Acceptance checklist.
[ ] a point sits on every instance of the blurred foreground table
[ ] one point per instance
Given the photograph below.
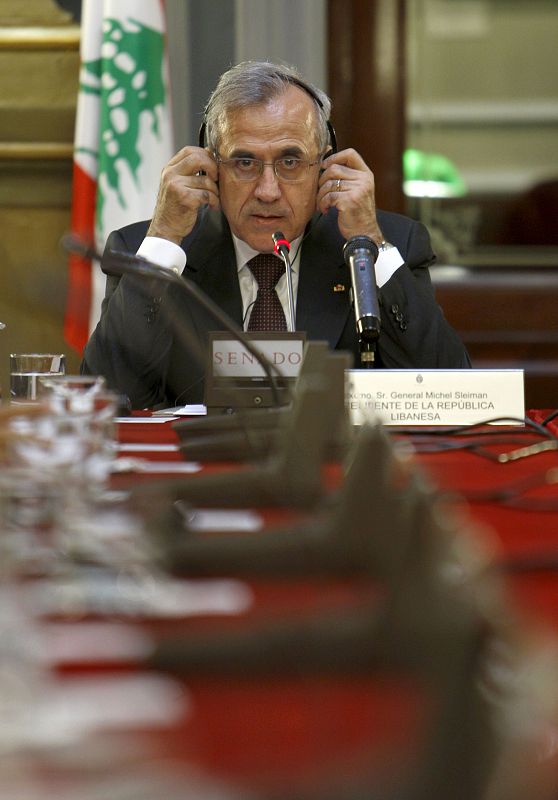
(119, 730)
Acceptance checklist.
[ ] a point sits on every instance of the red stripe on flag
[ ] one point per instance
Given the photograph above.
(76, 322)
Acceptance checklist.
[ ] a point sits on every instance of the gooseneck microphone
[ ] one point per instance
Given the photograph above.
(117, 262)
(282, 247)
(360, 255)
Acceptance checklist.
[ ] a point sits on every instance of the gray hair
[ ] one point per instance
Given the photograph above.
(252, 83)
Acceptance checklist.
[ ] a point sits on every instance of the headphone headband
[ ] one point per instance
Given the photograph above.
(296, 82)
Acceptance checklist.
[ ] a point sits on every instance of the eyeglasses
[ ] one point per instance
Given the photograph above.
(288, 168)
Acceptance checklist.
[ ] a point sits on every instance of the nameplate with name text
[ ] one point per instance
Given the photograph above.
(435, 397)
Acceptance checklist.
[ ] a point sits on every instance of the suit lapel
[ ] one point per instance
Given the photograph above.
(323, 303)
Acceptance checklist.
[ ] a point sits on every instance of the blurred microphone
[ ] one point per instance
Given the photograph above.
(313, 363)
(405, 556)
(360, 530)
(290, 476)
(255, 433)
(360, 255)
(258, 434)
(117, 262)
(283, 248)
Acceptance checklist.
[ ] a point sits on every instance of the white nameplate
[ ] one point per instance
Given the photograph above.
(230, 359)
(434, 397)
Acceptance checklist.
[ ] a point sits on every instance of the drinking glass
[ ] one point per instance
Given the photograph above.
(27, 368)
(29, 502)
(100, 434)
(84, 401)
(72, 394)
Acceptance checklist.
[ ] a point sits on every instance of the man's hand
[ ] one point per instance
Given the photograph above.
(348, 185)
(188, 182)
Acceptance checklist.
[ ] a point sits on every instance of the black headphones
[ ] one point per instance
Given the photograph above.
(305, 88)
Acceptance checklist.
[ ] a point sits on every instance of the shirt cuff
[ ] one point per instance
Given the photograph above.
(387, 263)
(164, 253)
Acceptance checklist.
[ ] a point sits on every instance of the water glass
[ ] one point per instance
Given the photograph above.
(70, 394)
(29, 503)
(27, 368)
(100, 434)
(85, 401)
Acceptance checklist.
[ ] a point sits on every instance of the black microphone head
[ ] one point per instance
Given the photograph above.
(360, 243)
(280, 243)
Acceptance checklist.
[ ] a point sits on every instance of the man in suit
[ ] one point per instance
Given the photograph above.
(266, 161)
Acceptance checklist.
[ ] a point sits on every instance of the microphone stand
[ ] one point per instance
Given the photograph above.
(282, 248)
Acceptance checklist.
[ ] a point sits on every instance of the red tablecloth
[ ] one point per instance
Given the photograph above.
(519, 531)
(273, 733)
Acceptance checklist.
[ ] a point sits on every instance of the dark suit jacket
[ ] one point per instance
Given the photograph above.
(151, 341)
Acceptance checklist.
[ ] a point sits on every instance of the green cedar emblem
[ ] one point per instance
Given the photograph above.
(128, 78)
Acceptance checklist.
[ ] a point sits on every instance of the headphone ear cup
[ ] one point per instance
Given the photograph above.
(201, 134)
(332, 138)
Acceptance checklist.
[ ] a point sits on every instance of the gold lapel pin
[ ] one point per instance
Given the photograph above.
(338, 287)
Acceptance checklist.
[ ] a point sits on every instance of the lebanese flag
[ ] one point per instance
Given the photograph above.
(123, 138)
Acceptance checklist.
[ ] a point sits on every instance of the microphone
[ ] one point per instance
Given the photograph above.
(282, 248)
(360, 255)
(281, 245)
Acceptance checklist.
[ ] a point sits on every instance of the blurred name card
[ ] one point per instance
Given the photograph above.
(435, 397)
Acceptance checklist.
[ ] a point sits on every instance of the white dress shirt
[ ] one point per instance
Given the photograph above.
(172, 256)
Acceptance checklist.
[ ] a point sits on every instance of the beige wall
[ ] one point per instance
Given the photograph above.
(483, 87)
(39, 64)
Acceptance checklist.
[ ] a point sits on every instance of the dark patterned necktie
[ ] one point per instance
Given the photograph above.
(267, 312)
